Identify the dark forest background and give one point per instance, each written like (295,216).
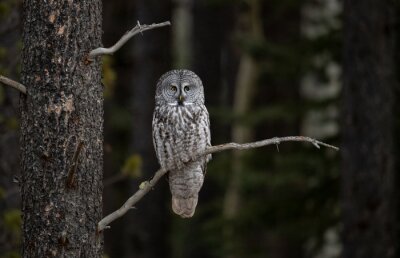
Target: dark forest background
(319,68)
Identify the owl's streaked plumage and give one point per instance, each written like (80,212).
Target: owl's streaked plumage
(181,130)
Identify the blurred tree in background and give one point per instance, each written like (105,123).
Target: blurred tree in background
(10,52)
(269,68)
(129,110)
(369,133)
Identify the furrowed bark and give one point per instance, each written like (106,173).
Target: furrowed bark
(61,129)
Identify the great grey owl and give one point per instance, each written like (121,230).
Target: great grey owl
(181,130)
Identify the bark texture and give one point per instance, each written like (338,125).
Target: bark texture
(61,129)
(368,195)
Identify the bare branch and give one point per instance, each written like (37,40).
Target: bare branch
(258,144)
(12,83)
(129,34)
(146,186)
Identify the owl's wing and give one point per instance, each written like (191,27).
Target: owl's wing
(208,137)
(205,124)
(157,140)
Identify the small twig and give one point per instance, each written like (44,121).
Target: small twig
(16,180)
(72,170)
(139,28)
(12,83)
(146,186)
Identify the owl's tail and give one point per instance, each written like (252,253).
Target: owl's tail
(185,185)
(184,207)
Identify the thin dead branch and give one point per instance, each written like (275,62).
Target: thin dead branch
(146,186)
(139,28)
(12,83)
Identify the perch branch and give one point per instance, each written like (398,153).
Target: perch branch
(129,34)
(276,141)
(12,83)
(146,186)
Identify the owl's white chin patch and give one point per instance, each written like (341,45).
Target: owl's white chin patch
(182,104)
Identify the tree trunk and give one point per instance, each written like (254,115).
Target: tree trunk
(368,194)
(246,83)
(182,29)
(61,129)
(119,16)
(148,228)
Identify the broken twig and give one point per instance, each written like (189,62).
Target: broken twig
(12,83)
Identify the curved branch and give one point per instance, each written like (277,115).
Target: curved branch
(146,186)
(129,34)
(14,84)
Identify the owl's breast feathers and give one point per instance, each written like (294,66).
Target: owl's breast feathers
(180,133)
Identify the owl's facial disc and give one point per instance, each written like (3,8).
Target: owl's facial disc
(179,88)
(181,94)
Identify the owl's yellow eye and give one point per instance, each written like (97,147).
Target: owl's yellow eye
(186,88)
(173,88)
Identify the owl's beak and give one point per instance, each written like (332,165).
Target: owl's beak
(181,99)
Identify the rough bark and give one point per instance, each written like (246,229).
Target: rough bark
(61,129)
(368,194)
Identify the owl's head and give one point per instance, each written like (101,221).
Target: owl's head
(179,88)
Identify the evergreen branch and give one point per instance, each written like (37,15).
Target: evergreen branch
(12,83)
(146,186)
(129,34)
